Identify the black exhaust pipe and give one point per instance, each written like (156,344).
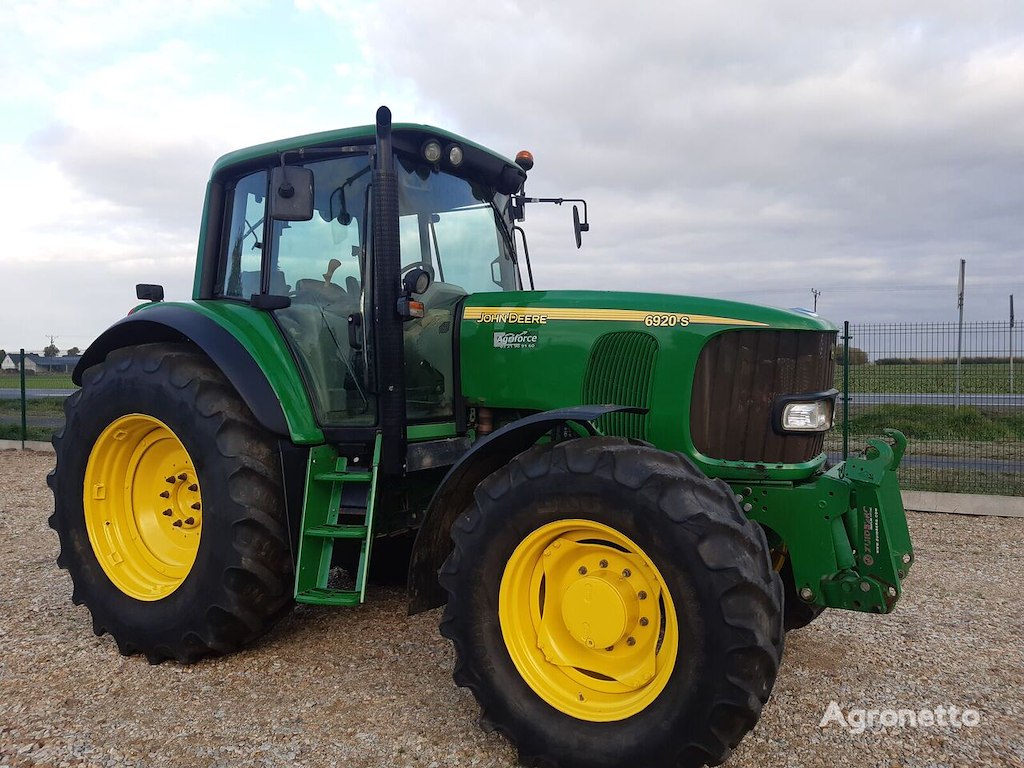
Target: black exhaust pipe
(388,323)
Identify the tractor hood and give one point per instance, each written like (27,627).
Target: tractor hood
(541,350)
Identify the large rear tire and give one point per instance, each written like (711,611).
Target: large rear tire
(169,507)
(610,605)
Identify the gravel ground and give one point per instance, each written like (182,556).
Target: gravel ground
(371,686)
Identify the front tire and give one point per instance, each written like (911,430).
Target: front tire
(169,507)
(609,604)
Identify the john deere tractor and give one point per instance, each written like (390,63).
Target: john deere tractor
(621,498)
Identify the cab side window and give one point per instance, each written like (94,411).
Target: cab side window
(239,273)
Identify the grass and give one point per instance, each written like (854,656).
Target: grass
(40,406)
(13,432)
(970,435)
(938,378)
(961,481)
(38,381)
(939,422)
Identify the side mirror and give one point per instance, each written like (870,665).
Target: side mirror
(149,292)
(579,226)
(291,193)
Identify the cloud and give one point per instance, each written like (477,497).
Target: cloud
(787,146)
(751,152)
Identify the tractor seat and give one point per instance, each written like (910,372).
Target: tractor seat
(313,291)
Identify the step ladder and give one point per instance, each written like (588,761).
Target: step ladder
(331,482)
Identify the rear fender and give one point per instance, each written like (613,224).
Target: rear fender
(188,323)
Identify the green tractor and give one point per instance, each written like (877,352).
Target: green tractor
(622,499)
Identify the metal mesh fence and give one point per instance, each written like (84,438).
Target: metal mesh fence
(965,423)
(964,420)
(32,397)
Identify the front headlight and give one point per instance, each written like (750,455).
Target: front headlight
(804,413)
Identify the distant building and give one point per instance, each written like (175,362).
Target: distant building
(39,364)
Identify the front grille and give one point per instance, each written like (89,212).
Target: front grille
(620,371)
(739,375)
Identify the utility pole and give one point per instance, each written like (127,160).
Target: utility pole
(816,293)
(960,332)
(1011,343)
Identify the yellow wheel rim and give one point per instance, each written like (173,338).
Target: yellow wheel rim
(588,620)
(143,507)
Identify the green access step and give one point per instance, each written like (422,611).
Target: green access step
(327,478)
(325,596)
(357,477)
(336,531)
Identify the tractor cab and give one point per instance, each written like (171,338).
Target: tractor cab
(454,226)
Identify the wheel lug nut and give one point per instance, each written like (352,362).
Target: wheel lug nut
(641,595)
(167,513)
(170,479)
(189,520)
(644,621)
(583,570)
(165,494)
(197,505)
(193,487)
(183,477)
(603,564)
(630,641)
(626,573)
(176,523)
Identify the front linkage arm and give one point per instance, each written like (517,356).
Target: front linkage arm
(845,531)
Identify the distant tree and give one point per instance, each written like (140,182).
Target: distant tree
(74,351)
(50,350)
(3,355)
(857,356)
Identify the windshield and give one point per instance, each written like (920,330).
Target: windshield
(455,229)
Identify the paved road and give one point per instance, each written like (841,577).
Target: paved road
(33,394)
(897,398)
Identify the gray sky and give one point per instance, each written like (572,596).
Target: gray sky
(750,151)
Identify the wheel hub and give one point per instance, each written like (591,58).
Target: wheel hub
(597,610)
(587,620)
(143,506)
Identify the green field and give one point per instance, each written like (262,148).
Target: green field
(938,422)
(37,381)
(42,406)
(937,378)
(13,432)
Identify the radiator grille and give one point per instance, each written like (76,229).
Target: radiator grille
(738,376)
(620,371)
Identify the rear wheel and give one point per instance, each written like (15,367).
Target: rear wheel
(608,604)
(168,506)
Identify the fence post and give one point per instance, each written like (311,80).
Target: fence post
(24,413)
(846,389)
(959,334)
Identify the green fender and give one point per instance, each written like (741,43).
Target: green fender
(243,342)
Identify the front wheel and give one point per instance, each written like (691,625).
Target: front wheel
(609,604)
